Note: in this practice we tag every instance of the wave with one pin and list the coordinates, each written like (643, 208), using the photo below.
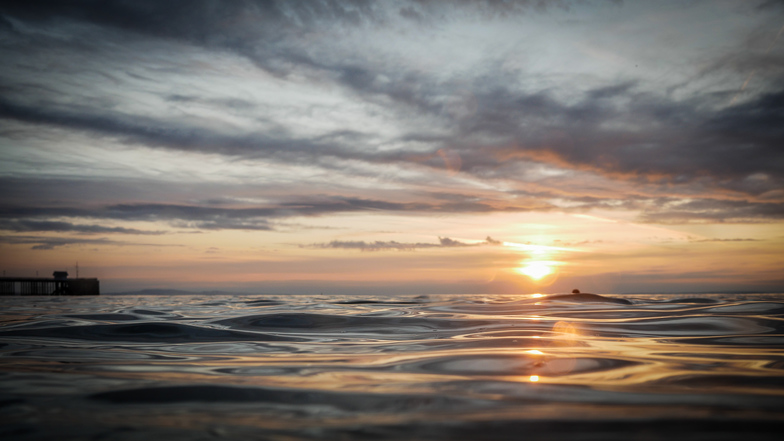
(343, 401)
(320, 323)
(143, 332)
(570, 366)
(585, 298)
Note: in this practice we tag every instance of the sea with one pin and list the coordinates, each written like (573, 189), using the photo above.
(431, 367)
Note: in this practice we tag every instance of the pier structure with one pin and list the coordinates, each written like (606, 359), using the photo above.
(59, 285)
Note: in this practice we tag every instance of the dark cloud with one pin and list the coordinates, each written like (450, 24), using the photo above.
(447, 242)
(227, 23)
(226, 103)
(49, 243)
(771, 4)
(230, 213)
(40, 198)
(488, 124)
(724, 240)
(613, 91)
(254, 225)
(490, 241)
(175, 135)
(40, 226)
(665, 141)
(443, 242)
(712, 211)
(373, 246)
(213, 218)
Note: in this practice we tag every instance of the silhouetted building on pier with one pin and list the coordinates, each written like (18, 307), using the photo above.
(59, 285)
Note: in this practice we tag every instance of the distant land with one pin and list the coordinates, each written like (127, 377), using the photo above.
(169, 292)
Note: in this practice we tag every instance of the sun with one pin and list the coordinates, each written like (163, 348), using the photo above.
(536, 270)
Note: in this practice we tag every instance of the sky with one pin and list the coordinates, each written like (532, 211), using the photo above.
(394, 147)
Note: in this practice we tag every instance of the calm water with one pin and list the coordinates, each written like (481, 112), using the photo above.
(431, 367)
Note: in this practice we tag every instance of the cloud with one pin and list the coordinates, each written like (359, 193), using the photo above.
(712, 211)
(490, 241)
(220, 217)
(691, 239)
(613, 131)
(227, 24)
(769, 4)
(651, 139)
(443, 242)
(40, 226)
(233, 214)
(227, 224)
(175, 135)
(49, 243)
(493, 122)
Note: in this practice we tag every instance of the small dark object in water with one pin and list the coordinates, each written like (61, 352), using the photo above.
(575, 291)
(587, 297)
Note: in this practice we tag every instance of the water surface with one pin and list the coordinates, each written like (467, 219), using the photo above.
(408, 367)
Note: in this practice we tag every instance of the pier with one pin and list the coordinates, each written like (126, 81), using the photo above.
(59, 285)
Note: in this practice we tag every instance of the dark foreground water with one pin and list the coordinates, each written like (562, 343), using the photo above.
(433, 367)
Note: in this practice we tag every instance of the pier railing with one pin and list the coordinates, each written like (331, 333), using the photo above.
(42, 286)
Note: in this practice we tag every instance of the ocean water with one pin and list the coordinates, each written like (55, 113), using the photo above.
(203, 367)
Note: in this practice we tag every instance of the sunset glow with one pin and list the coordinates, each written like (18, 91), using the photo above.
(537, 270)
(414, 148)
(407, 219)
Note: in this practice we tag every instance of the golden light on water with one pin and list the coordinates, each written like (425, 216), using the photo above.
(534, 378)
(566, 331)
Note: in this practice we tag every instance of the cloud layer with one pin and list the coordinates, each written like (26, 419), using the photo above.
(443, 242)
(146, 119)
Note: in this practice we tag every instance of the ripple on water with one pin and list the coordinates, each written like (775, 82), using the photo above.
(399, 367)
(143, 332)
(342, 401)
(514, 365)
(320, 323)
